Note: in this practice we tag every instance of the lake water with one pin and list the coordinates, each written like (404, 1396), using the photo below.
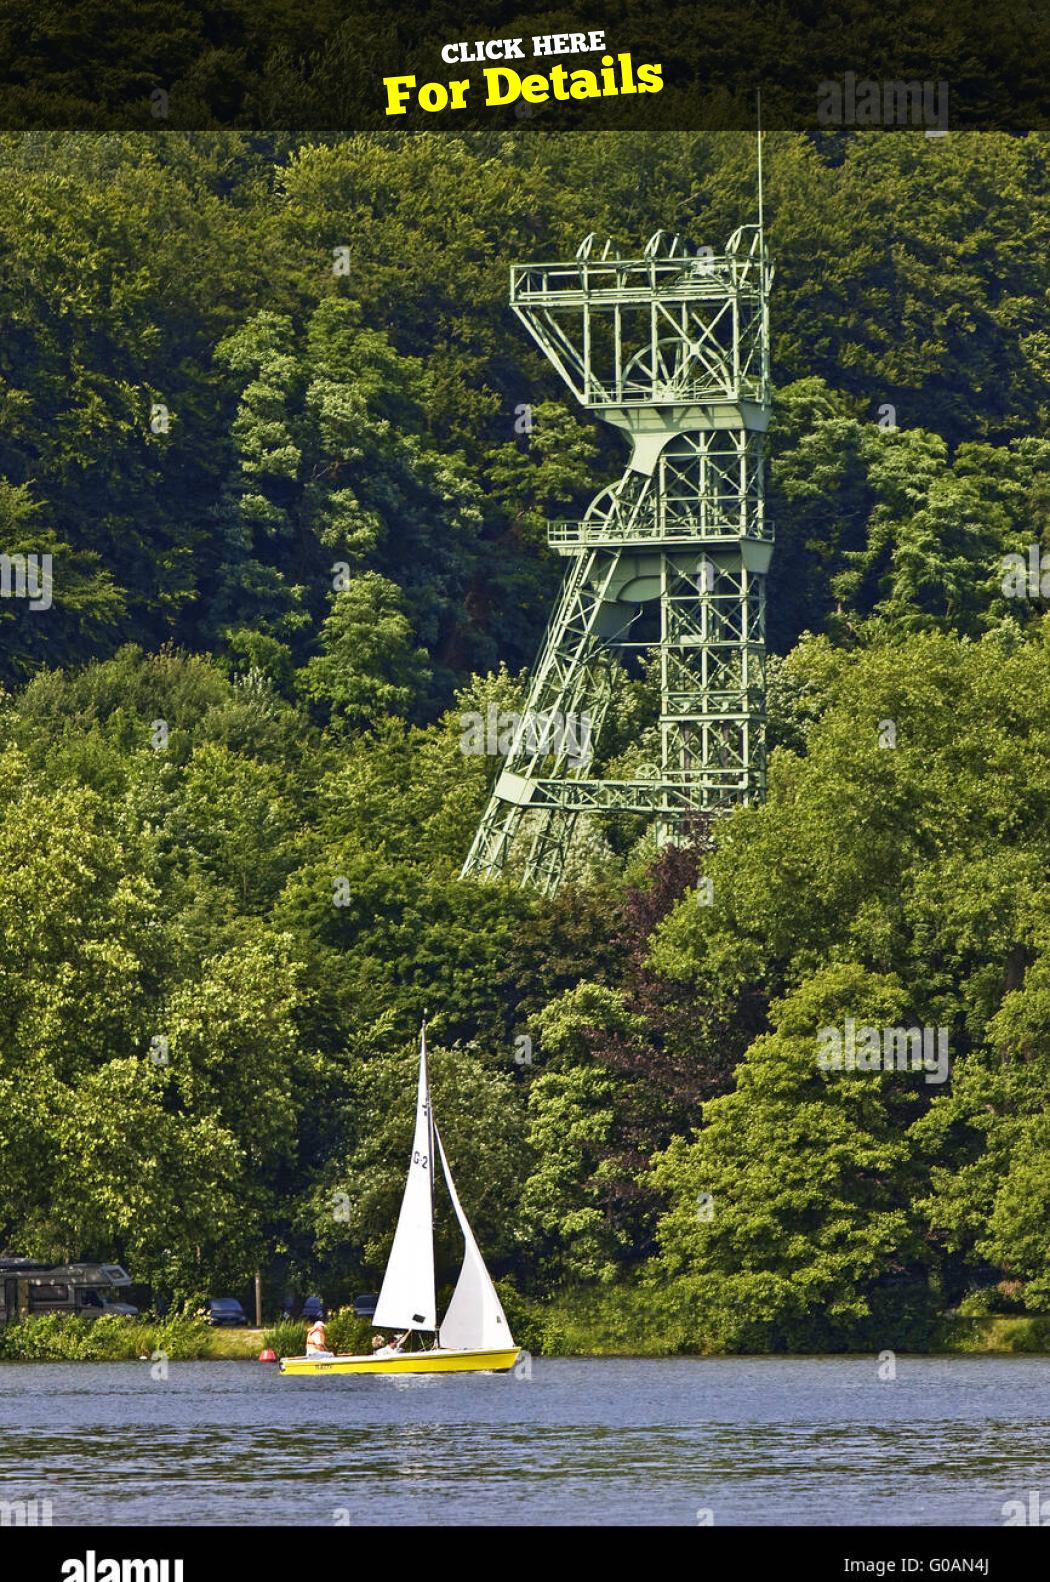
(763, 1440)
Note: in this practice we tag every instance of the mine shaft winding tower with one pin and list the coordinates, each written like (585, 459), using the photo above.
(672, 348)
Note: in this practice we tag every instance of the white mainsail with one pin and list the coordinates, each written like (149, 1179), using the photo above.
(475, 1319)
(407, 1299)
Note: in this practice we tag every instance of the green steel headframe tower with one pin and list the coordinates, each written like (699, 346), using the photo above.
(673, 350)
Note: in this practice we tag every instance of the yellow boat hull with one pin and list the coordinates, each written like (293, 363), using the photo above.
(496, 1361)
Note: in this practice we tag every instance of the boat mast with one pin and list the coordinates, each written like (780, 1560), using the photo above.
(430, 1126)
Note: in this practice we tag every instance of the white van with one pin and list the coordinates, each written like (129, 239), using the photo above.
(28, 1288)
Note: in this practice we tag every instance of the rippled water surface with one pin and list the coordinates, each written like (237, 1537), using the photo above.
(799, 1440)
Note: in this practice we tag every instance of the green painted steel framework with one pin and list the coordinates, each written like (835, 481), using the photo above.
(673, 349)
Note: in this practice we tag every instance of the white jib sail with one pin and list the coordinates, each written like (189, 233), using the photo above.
(408, 1300)
(475, 1320)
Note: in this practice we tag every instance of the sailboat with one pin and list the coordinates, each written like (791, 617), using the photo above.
(474, 1335)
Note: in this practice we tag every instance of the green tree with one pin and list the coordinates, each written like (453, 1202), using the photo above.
(369, 666)
(794, 1199)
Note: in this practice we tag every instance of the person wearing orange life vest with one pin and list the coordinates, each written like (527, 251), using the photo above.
(317, 1341)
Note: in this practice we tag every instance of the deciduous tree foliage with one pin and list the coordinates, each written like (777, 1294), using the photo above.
(263, 403)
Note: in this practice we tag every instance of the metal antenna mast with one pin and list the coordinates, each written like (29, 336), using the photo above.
(758, 142)
(671, 348)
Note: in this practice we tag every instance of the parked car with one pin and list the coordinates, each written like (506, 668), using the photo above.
(313, 1309)
(365, 1306)
(227, 1311)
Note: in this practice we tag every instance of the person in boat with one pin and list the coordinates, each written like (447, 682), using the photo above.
(381, 1349)
(317, 1341)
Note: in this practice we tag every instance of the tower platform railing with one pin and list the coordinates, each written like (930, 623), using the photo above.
(567, 536)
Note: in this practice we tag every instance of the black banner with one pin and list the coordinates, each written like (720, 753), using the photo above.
(164, 1554)
(361, 65)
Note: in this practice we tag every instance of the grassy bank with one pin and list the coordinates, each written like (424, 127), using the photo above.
(66, 1337)
(621, 1321)
(614, 1323)
(996, 1333)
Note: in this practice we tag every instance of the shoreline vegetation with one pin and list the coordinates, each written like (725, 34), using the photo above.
(568, 1330)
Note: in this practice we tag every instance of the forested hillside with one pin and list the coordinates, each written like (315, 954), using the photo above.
(263, 402)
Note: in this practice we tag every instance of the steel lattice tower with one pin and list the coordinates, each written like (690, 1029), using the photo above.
(673, 350)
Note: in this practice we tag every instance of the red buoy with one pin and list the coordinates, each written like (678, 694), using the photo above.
(266, 1355)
